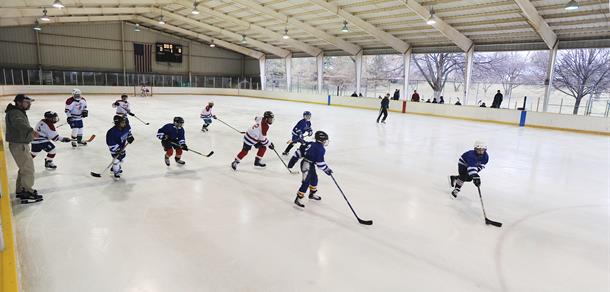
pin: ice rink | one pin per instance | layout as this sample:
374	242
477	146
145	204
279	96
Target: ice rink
205	227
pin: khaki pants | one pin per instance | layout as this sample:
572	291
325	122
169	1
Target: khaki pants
23	158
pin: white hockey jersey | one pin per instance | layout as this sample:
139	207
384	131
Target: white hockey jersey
206	113
257	133
123	107
46	132
75	108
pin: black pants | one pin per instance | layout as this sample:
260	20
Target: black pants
384	112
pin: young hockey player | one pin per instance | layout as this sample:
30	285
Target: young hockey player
313	156
299	130
207	116
172	137
117	139
257	137
122	108
76	110
46	133
469	166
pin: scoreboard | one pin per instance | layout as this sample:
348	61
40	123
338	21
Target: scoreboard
168	53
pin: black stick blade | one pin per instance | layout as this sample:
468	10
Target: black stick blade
493	223
365	222
93	174
210	154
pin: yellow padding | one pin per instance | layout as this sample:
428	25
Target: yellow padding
8	261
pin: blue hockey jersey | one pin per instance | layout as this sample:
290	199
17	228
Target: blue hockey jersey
473	162
172	133
302	127
314	152
116	139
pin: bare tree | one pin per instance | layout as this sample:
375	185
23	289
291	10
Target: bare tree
436	67
582	72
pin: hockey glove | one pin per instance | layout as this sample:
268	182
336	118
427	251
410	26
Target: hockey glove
184	147
271	146
69	120
116	103
131	114
130	139
214	117
477	181
85	113
65	139
328	171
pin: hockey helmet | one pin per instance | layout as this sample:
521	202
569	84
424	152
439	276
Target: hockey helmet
211	103
321	137
178	121
124	96
480	147
307	115
76	93
51	116
269	116
119	121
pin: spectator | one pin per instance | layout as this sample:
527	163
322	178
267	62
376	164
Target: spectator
396	94
483	104
19	134
415	96
441	101
434	100
497	100
360	94
354	94
428	101
385	103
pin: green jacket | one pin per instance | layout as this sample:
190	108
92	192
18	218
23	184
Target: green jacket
18	129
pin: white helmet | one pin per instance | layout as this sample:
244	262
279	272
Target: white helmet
76	92
480	145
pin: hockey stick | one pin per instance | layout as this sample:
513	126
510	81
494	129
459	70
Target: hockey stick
196	152
487	221
143	122
88	140
236	130
99	174
282	160
365	222
61	125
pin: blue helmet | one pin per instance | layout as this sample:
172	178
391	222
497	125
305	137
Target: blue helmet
306	113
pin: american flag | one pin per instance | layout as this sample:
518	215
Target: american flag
142	56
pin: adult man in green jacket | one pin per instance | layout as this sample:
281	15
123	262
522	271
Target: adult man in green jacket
19	134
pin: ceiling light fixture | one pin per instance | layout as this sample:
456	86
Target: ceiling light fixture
161	20
44	15
37	26
431	19
572	5
345	28
195	11
137	28
286	36
243	39
212	45
57	4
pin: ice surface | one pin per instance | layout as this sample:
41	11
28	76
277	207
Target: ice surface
204	227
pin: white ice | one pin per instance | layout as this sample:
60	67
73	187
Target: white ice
204	227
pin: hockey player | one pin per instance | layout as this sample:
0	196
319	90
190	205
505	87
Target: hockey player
122	108
299	130
76	110
172	137
313	156
117	139
469	166
46	133
207	116
257	137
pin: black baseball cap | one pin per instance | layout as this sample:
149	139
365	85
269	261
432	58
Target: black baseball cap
22	97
